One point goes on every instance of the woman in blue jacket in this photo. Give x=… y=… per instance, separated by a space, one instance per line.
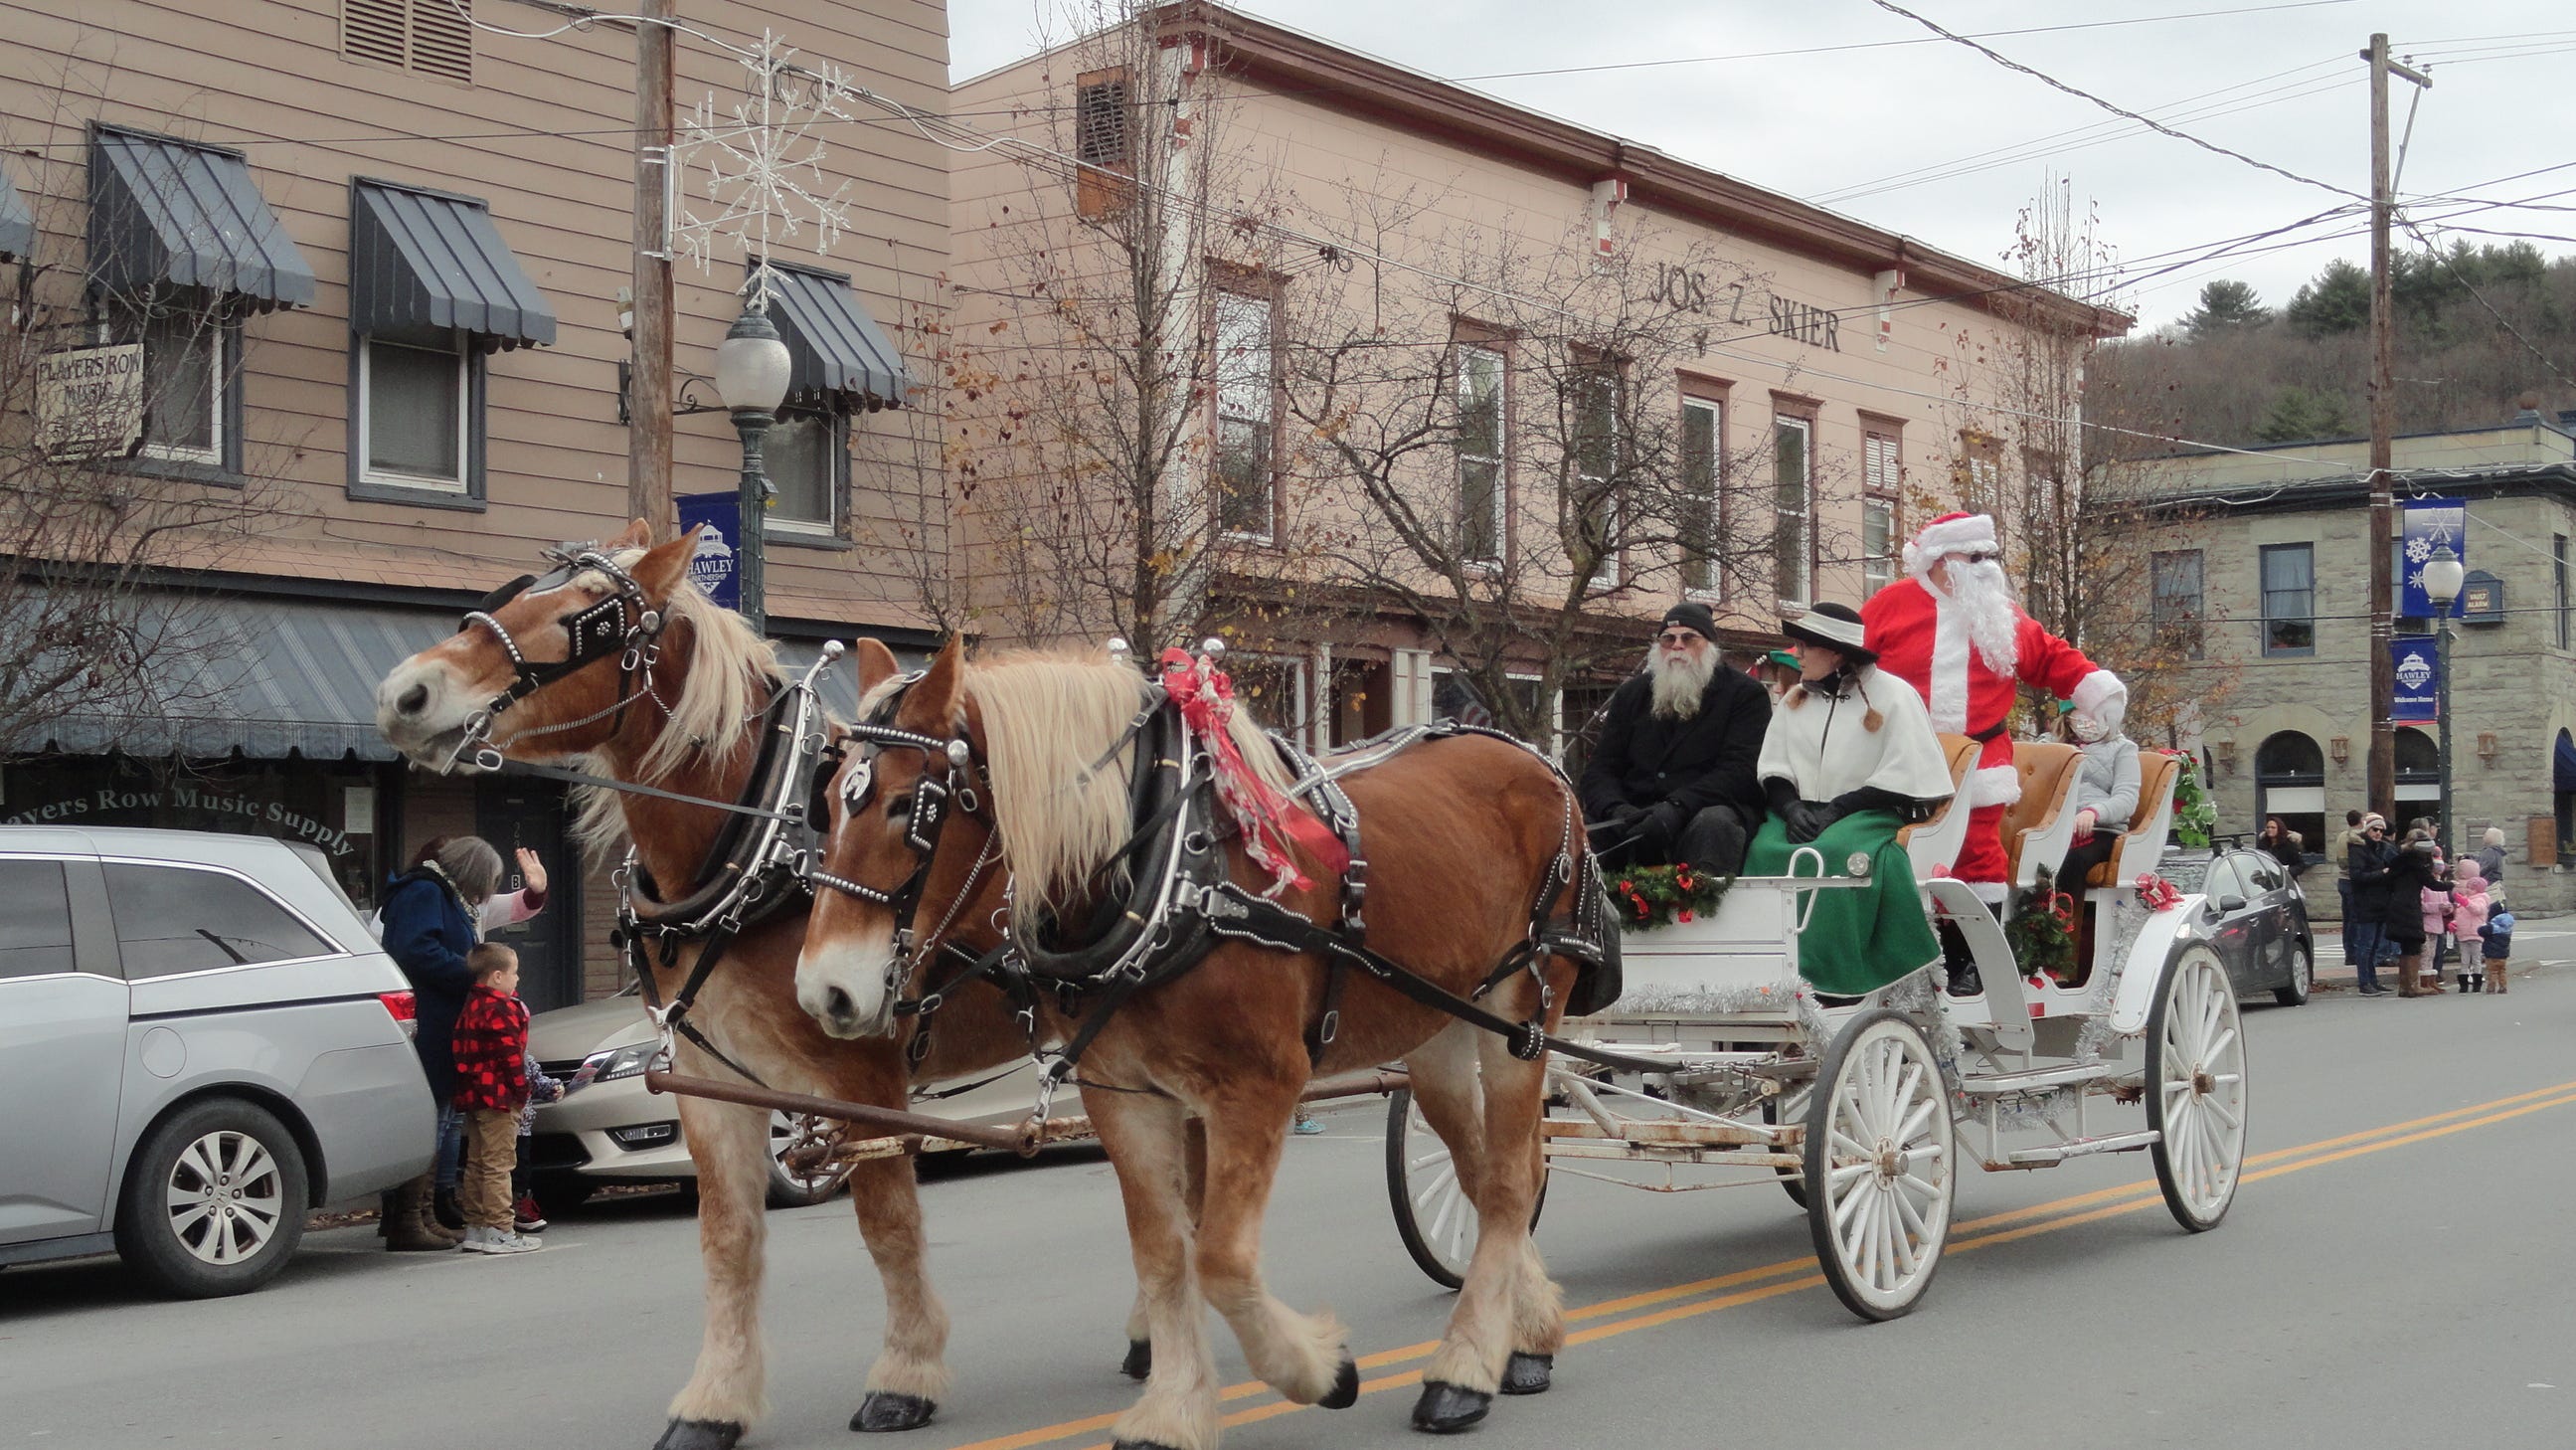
x=431 y=919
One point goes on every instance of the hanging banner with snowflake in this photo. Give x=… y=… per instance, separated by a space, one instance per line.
x=2430 y=523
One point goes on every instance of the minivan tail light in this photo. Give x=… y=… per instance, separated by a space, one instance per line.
x=403 y=1009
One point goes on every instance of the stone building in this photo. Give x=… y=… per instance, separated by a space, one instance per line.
x=2260 y=577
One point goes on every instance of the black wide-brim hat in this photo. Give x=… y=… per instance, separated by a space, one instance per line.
x=1835 y=626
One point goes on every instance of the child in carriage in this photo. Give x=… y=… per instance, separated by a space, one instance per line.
x=1849 y=760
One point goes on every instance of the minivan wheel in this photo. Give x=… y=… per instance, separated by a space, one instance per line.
x=214 y=1202
x=788 y=1188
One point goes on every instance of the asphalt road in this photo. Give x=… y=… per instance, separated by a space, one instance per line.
x=2396 y=1273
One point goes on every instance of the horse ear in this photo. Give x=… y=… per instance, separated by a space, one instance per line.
x=638 y=535
x=931 y=706
x=876 y=665
x=665 y=568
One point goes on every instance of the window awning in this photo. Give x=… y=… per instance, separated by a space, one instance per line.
x=260 y=675
x=427 y=259
x=839 y=353
x=2562 y=764
x=17 y=224
x=166 y=212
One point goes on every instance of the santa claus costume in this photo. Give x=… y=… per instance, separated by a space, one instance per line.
x=1965 y=644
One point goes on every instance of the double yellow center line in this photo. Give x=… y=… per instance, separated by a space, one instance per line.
x=1655 y=1307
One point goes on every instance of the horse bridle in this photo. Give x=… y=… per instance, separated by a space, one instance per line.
x=624 y=624
x=928 y=819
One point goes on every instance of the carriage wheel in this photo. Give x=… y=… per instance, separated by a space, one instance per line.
x=1880 y=1165
x=2196 y=1090
x=1433 y=1214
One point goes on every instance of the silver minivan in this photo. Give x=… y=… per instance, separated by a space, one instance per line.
x=199 y=1043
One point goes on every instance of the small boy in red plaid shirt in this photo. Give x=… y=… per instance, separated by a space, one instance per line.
x=491 y=1086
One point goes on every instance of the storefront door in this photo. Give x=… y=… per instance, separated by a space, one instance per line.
x=512 y=813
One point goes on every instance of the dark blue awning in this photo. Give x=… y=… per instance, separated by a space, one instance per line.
x=17 y=224
x=430 y=260
x=164 y=212
x=2562 y=765
x=839 y=353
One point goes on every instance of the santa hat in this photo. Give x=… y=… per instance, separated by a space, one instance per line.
x=1956 y=533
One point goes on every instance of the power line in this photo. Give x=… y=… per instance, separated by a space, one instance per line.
x=2158 y=126
x=2481 y=299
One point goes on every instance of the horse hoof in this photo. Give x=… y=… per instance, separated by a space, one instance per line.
x=884 y=1410
x=699 y=1435
x=1527 y=1374
x=1446 y=1409
x=1140 y=1359
x=1346 y=1387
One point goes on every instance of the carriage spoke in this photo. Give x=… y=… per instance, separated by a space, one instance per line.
x=2225 y=1113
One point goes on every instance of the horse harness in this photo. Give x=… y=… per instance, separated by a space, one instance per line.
x=1182 y=899
x=623 y=623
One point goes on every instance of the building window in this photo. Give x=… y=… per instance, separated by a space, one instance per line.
x=191 y=378
x=1703 y=445
x=1882 y=478
x=433 y=37
x=1793 y=506
x=1482 y=415
x=1980 y=477
x=1596 y=444
x=2176 y=602
x=1454 y=697
x=2558 y=586
x=2290 y=782
x=806 y=454
x=1247 y=397
x=1274 y=688
x=2289 y=599
x=1104 y=141
x=415 y=405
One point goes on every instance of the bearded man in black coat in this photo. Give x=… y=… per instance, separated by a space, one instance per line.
x=1673 y=778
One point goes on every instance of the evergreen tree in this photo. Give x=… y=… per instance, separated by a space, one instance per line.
x=2337 y=301
x=2225 y=305
x=2300 y=415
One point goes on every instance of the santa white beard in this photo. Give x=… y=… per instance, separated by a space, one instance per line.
x=1983 y=598
x=1680 y=681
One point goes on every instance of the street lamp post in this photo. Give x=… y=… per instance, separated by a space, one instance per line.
x=2443 y=577
x=752 y=366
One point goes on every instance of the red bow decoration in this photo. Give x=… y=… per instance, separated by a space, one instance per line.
x=2156 y=893
x=1270 y=821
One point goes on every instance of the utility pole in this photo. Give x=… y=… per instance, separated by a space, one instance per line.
x=2383 y=429
x=648 y=437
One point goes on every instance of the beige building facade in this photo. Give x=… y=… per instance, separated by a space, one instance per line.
x=376 y=257
x=1483 y=391
x=2260 y=563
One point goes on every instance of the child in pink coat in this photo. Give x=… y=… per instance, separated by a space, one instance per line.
x=2468 y=917
x=2437 y=923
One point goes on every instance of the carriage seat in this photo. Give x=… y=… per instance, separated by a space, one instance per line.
x=2040 y=826
x=2142 y=845
x=1933 y=844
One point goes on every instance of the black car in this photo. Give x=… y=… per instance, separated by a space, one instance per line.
x=2254 y=914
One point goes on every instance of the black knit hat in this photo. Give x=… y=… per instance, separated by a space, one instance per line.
x=1837 y=627
x=1692 y=615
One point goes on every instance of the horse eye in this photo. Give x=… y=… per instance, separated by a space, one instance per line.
x=899 y=808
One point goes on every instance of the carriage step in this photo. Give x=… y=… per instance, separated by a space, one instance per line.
x=2070 y=1075
x=2052 y=1153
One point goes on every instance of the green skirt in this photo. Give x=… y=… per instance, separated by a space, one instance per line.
x=1859 y=938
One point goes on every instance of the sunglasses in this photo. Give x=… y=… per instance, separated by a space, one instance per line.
x=1677 y=637
x=1980 y=556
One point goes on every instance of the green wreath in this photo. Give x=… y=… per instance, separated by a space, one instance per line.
x=1646 y=897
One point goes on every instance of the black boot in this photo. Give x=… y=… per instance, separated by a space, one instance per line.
x=1959 y=962
x=443 y=1208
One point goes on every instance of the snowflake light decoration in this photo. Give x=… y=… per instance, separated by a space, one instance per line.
x=764 y=164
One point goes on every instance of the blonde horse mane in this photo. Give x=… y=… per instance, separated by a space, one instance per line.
x=731 y=670
x=1048 y=718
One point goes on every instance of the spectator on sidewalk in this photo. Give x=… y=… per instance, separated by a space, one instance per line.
x=2405 y=877
x=2498 y=942
x=2469 y=907
x=2344 y=843
x=2490 y=857
x=491 y=1052
x=2365 y=924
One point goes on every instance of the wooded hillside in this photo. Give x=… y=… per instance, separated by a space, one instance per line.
x=2241 y=371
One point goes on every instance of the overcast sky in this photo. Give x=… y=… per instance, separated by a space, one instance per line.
x=1924 y=136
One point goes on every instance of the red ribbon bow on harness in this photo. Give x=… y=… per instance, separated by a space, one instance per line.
x=2156 y=893
x=1270 y=820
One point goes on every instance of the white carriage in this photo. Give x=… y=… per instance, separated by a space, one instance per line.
x=1867 y=1110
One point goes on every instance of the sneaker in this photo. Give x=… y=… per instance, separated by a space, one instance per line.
x=478 y=1239
x=505 y=1241
x=1308 y=1127
x=525 y=1217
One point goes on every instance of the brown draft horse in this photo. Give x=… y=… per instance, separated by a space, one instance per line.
x=1458 y=834
x=688 y=730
